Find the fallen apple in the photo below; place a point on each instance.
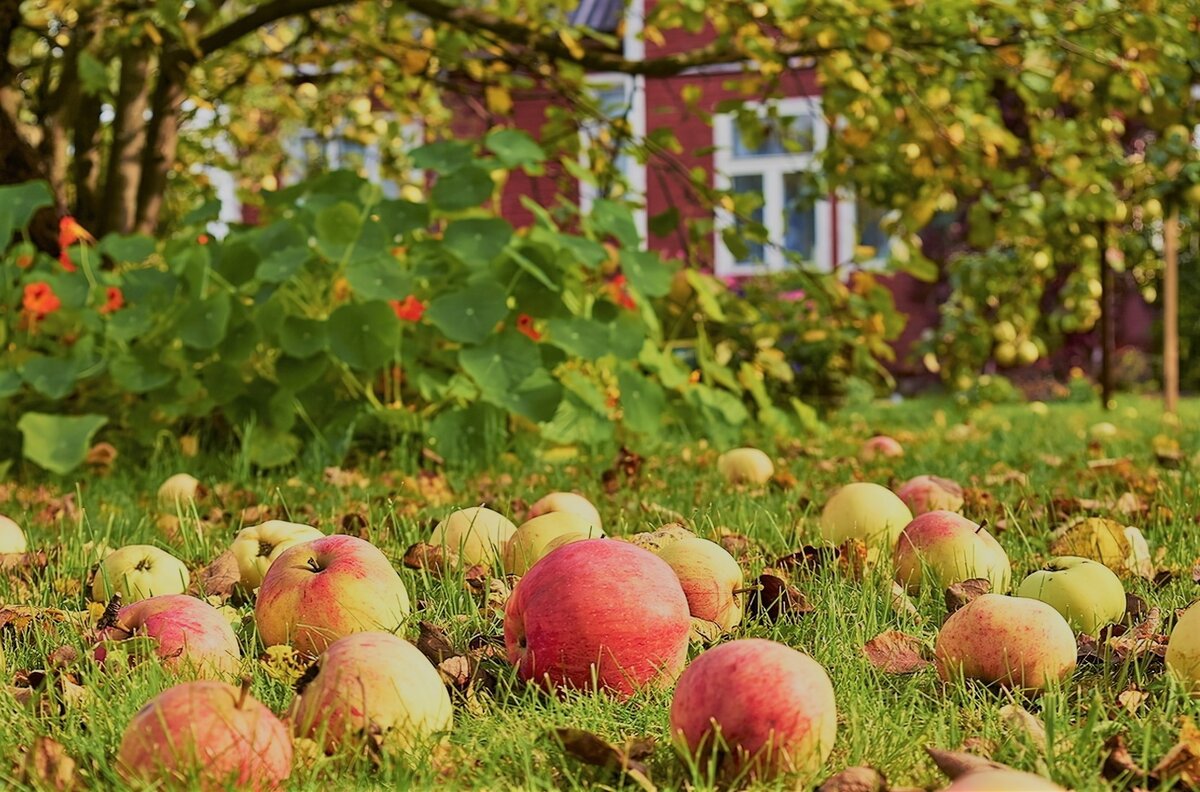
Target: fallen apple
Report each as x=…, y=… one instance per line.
x=864, y=511
x=206, y=735
x=570, y=502
x=745, y=466
x=881, y=446
x=760, y=707
x=257, y=546
x=179, y=490
x=537, y=537
x=657, y=540
x=478, y=535
x=1088, y=594
x=12, y=538
x=138, y=572
x=949, y=548
x=930, y=493
x=1013, y=642
x=1183, y=650
x=598, y=614
x=373, y=685
x=190, y=635
x=1001, y=780
x=710, y=577
x=327, y=588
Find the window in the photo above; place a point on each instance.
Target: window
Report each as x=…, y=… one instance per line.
x=615, y=96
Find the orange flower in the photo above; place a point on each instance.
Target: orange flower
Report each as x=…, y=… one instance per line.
x=525, y=326
x=409, y=310
x=620, y=295
x=114, y=300
x=202, y=239
x=69, y=233
x=40, y=300
x=24, y=261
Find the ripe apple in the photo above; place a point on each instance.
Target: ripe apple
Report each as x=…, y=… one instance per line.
x=770, y=707
x=709, y=576
x=1010, y=641
x=598, y=614
x=865, y=511
x=179, y=490
x=208, y=736
x=951, y=549
x=1183, y=650
x=1088, y=594
x=566, y=502
x=12, y=538
x=373, y=683
x=321, y=590
x=1001, y=780
x=257, y=546
x=658, y=540
x=745, y=466
x=881, y=446
x=537, y=537
x=479, y=535
x=138, y=572
x=930, y=493
x=190, y=634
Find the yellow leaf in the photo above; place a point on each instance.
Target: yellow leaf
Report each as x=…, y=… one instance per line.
x=571, y=43
x=499, y=101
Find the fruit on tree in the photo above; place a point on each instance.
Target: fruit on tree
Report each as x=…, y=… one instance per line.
x=570, y=502
x=478, y=535
x=257, y=546
x=598, y=614
x=930, y=493
x=537, y=537
x=138, y=572
x=864, y=511
x=189, y=634
x=949, y=548
x=1088, y=594
x=710, y=577
x=745, y=466
x=1183, y=650
x=765, y=707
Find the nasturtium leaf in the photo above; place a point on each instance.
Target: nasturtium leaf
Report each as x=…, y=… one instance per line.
x=203, y=323
x=401, y=217
x=301, y=338
x=468, y=435
x=58, y=443
x=10, y=383
x=611, y=218
x=477, y=240
x=378, y=278
x=575, y=422
x=647, y=272
x=589, y=253
x=363, y=335
x=442, y=156
x=464, y=188
x=501, y=362
x=298, y=373
x=93, y=75
x=337, y=228
x=514, y=148
x=536, y=398
x=643, y=403
x=138, y=373
x=579, y=336
x=469, y=315
x=268, y=447
x=51, y=376
x=284, y=264
x=126, y=248
x=18, y=202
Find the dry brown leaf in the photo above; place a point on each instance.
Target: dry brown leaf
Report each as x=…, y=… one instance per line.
x=218, y=579
x=593, y=750
x=23, y=562
x=1118, y=762
x=345, y=479
x=47, y=766
x=101, y=457
x=960, y=594
x=784, y=480
x=855, y=779
x=704, y=632
x=1132, y=699
x=435, y=558
x=1022, y=721
x=773, y=598
x=455, y=671
x=434, y=643
x=21, y=617
x=902, y=604
x=284, y=664
x=737, y=545
x=1182, y=762
x=894, y=652
x=1196, y=571
x=809, y=558
x=852, y=558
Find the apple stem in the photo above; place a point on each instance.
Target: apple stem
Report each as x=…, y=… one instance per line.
x=982, y=525
x=245, y=692
x=746, y=590
x=313, y=565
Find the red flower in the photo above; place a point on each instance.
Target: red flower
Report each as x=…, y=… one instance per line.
x=24, y=261
x=202, y=239
x=409, y=310
x=40, y=300
x=525, y=326
x=114, y=300
x=620, y=295
x=69, y=233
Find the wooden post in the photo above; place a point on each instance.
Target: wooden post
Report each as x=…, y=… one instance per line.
x=1107, y=321
x=1171, y=313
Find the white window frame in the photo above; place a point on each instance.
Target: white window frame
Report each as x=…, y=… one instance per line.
x=772, y=169
x=847, y=231
x=634, y=89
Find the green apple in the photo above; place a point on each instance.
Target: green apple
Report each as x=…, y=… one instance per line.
x=864, y=511
x=566, y=502
x=745, y=466
x=179, y=490
x=710, y=577
x=1088, y=594
x=479, y=535
x=1183, y=650
x=138, y=572
x=537, y=537
x=949, y=548
x=12, y=538
x=257, y=546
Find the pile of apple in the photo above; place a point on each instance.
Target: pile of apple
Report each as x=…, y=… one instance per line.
x=587, y=613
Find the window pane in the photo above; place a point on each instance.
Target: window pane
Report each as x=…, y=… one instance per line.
x=752, y=185
x=799, y=215
x=773, y=136
x=867, y=224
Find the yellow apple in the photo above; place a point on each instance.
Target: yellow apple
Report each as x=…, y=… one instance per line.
x=1001, y=780
x=12, y=538
x=1027, y=353
x=864, y=511
x=1004, y=332
x=138, y=572
x=478, y=534
x=949, y=548
x=657, y=540
x=256, y=546
x=1088, y=594
x=709, y=576
x=566, y=502
x=536, y=538
x=1183, y=650
x=745, y=466
x=179, y=490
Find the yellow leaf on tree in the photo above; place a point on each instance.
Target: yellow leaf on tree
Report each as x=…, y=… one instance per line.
x=499, y=100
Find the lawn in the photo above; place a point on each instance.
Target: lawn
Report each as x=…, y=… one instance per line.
x=1025, y=473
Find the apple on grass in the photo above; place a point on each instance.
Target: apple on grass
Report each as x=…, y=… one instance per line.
x=864, y=511
x=598, y=614
x=137, y=572
x=930, y=493
x=179, y=490
x=208, y=736
x=1001, y=780
x=745, y=466
x=1088, y=594
x=756, y=708
x=478, y=535
x=368, y=684
x=190, y=635
x=257, y=546
x=881, y=446
x=659, y=539
x=1013, y=642
x=566, y=502
x=12, y=538
x=537, y=537
x=327, y=588
x=1183, y=650
x=949, y=548
x=710, y=577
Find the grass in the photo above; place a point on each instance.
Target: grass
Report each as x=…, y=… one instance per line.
x=501, y=741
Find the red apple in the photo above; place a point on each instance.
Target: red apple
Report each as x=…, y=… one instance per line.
x=770, y=708
x=206, y=735
x=930, y=493
x=598, y=614
x=190, y=634
x=319, y=591
x=881, y=446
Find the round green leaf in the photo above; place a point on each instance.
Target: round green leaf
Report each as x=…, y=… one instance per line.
x=303, y=338
x=378, y=278
x=58, y=443
x=469, y=315
x=203, y=323
x=464, y=188
x=477, y=240
x=363, y=335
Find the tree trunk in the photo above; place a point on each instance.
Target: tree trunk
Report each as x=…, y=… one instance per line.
x=162, y=141
x=128, y=142
x=86, y=163
x=1107, y=321
x=1171, y=313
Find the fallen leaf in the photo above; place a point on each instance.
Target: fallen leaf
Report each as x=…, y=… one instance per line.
x=809, y=558
x=966, y=591
x=704, y=632
x=852, y=558
x=455, y=671
x=434, y=643
x=737, y=545
x=1196, y=571
x=23, y=562
x=1132, y=699
x=773, y=598
x=47, y=766
x=902, y=604
x=218, y=579
x=784, y=480
x=435, y=558
x=1182, y=762
x=1022, y=721
x=101, y=456
x=345, y=479
x=284, y=664
x=1118, y=762
x=591, y=749
x=894, y=652
x=855, y=779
